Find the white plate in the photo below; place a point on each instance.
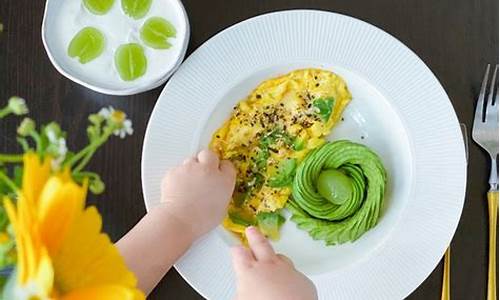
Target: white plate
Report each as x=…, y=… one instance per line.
x=398, y=107
x=63, y=19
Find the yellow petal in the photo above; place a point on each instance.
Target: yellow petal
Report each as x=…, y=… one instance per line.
x=35, y=175
x=60, y=201
x=105, y=292
x=88, y=258
x=33, y=262
x=45, y=273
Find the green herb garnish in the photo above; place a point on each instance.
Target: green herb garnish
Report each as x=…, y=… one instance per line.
x=298, y=144
x=324, y=107
x=285, y=173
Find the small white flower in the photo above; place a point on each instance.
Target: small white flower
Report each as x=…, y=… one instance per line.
x=125, y=130
x=57, y=148
x=106, y=112
x=18, y=106
x=62, y=149
x=52, y=136
x=119, y=118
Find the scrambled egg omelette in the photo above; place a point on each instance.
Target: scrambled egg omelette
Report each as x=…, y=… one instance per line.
x=268, y=134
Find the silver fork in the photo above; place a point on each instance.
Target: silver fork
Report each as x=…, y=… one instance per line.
x=485, y=134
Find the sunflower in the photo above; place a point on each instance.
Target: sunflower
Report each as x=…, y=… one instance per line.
x=61, y=251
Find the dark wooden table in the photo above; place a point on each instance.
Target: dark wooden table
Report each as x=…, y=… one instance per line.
x=455, y=38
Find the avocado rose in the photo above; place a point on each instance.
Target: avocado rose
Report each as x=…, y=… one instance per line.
x=338, y=191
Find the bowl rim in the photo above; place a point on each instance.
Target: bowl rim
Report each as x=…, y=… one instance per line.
x=128, y=90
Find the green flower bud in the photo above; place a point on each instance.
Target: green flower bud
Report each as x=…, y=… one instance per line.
x=26, y=127
x=52, y=131
x=18, y=106
x=96, y=186
x=96, y=119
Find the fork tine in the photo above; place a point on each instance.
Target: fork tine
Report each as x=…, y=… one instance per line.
x=495, y=109
x=478, y=117
x=492, y=110
x=496, y=99
x=492, y=87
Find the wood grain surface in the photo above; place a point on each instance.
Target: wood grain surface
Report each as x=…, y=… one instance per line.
x=455, y=38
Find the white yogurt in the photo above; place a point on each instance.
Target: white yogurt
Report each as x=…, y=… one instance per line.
x=64, y=18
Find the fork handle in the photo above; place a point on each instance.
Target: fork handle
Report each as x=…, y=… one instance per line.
x=492, y=262
x=445, y=289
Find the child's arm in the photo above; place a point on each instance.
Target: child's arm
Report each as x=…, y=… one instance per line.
x=195, y=196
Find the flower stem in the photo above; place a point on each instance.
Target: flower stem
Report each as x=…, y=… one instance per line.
x=81, y=175
x=38, y=141
x=11, y=158
x=86, y=153
x=4, y=112
x=8, y=182
x=85, y=160
x=24, y=144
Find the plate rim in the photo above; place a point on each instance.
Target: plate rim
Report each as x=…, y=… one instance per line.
x=457, y=151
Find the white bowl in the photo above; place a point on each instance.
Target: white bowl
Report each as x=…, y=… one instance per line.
x=58, y=31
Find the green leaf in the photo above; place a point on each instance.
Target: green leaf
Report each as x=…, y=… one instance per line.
x=269, y=224
x=285, y=173
x=324, y=107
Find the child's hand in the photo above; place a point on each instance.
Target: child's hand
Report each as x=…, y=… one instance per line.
x=198, y=192
x=262, y=274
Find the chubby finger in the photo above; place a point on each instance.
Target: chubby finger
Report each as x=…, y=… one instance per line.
x=285, y=259
x=242, y=258
x=208, y=158
x=228, y=168
x=261, y=248
x=190, y=160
